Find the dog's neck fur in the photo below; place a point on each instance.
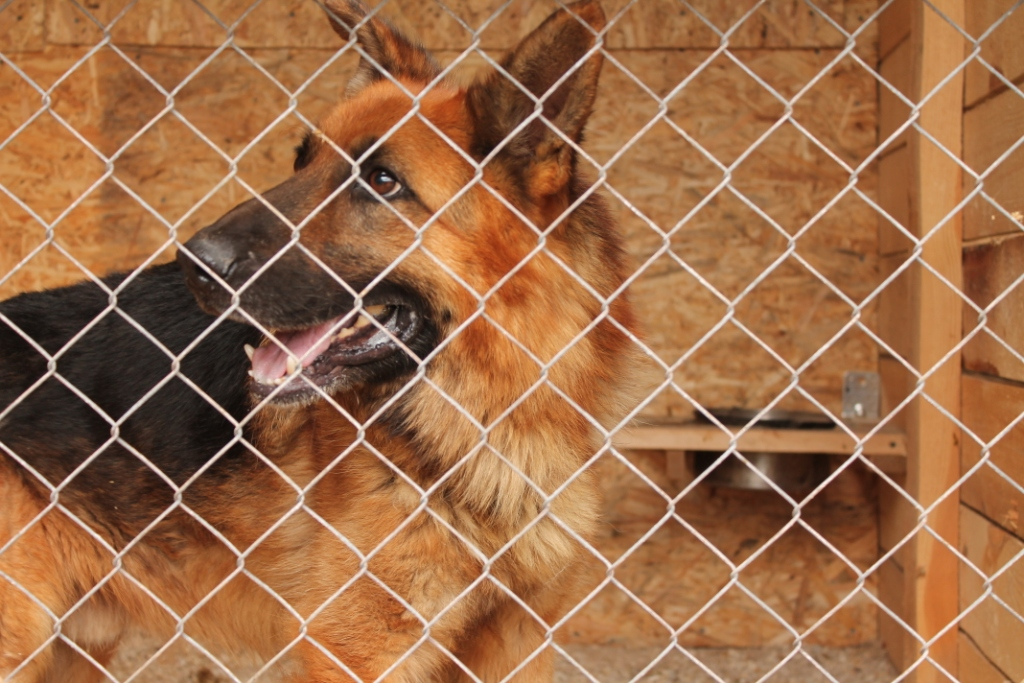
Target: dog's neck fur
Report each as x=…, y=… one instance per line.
x=515, y=446
x=511, y=444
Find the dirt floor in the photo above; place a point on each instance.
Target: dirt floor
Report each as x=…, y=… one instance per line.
x=604, y=664
x=863, y=664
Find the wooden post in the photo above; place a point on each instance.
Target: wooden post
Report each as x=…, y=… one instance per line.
x=933, y=451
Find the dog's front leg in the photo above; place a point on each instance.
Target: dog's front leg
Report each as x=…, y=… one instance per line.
x=423, y=664
x=509, y=637
x=365, y=636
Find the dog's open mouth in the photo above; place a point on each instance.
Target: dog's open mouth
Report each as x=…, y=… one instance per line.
x=326, y=354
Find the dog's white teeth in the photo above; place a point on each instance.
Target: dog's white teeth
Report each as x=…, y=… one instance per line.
x=269, y=382
x=291, y=365
x=362, y=320
x=249, y=350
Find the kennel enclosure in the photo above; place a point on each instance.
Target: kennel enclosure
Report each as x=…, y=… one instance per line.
x=807, y=189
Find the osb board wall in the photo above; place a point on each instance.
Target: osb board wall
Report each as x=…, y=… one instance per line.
x=724, y=109
x=223, y=102
x=674, y=578
x=169, y=166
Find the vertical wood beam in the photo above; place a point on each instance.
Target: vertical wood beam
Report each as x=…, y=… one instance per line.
x=931, y=571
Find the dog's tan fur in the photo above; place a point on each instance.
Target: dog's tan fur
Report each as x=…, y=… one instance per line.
x=367, y=560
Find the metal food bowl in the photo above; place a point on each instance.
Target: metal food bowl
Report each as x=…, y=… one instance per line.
x=791, y=472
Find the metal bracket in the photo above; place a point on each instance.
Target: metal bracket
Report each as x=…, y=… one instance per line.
x=861, y=396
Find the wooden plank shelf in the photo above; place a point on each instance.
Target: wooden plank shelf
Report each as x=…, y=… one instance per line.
x=887, y=449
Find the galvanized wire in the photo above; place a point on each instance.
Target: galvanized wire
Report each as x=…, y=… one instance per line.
x=974, y=189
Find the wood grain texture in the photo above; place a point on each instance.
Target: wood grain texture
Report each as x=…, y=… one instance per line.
x=675, y=573
x=897, y=518
x=894, y=197
x=1002, y=49
x=997, y=632
x=894, y=26
x=933, y=440
x=296, y=23
x=897, y=383
x=725, y=110
x=21, y=26
x=990, y=129
x=665, y=178
x=991, y=272
x=169, y=166
x=975, y=667
x=897, y=70
x=895, y=326
x=989, y=407
x=890, y=592
x=700, y=437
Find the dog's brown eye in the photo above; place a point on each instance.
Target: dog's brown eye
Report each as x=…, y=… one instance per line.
x=384, y=183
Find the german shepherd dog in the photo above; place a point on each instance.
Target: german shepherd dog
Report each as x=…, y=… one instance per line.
x=433, y=308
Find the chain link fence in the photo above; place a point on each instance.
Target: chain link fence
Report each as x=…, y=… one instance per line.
x=770, y=165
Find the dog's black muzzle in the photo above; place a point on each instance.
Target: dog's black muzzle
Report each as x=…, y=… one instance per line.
x=318, y=342
x=250, y=251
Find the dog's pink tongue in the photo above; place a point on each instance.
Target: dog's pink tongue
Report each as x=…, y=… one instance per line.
x=270, y=361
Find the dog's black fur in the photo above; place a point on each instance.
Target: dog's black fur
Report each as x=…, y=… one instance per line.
x=54, y=431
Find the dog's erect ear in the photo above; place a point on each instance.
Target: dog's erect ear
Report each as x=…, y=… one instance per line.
x=382, y=43
x=557, y=47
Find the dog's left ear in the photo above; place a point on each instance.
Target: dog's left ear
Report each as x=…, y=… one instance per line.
x=556, y=48
x=382, y=43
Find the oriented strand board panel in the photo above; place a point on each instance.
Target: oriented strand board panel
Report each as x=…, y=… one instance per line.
x=170, y=165
x=997, y=632
x=990, y=129
x=776, y=24
x=991, y=274
x=676, y=575
x=166, y=174
x=990, y=407
x=276, y=23
x=688, y=233
x=21, y=26
x=727, y=240
x=299, y=23
x=1003, y=48
x=169, y=180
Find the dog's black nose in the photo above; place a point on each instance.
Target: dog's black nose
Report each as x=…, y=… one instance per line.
x=212, y=257
x=206, y=263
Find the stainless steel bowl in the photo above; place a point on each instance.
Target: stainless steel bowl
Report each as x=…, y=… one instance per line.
x=791, y=472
